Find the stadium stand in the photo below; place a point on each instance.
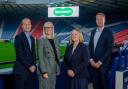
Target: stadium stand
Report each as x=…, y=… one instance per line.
x=120, y=30
x=1, y=28
x=119, y=27
x=37, y=31
x=19, y=29
x=10, y=27
x=59, y=26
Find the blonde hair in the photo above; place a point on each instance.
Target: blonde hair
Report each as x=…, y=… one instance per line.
x=48, y=24
x=81, y=38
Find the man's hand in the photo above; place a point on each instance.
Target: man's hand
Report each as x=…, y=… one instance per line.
x=32, y=68
x=93, y=64
x=71, y=73
x=45, y=76
x=98, y=64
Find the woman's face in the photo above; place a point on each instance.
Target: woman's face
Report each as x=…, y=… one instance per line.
x=75, y=37
x=48, y=30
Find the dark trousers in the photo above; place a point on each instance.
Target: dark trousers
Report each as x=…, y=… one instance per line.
x=99, y=78
x=76, y=83
x=24, y=81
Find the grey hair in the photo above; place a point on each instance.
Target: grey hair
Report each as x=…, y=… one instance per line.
x=25, y=19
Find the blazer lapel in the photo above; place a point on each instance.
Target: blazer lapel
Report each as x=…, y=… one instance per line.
x=49, y=45
x=32, y=43
x=77, y=48
x=70, y=51
x=93, y=33
x=26, y=41
x=57, y=48
x=101, y=37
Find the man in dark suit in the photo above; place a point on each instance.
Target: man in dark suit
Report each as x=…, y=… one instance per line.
x=25, y=65
x=101, y=43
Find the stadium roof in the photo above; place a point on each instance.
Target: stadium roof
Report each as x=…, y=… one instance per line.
x=40, y=10
x=22, y=10
x=31, y=1
x=119, y=6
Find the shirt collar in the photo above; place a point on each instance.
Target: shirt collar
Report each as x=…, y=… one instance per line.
x=27, y=33
x=101, y=29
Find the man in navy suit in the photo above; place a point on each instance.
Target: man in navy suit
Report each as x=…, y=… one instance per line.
x=25, y=65
x=101, y=43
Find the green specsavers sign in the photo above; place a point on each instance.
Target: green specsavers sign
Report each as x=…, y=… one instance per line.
x=72, y=11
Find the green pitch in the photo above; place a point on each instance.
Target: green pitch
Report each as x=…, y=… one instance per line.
x=7, y=53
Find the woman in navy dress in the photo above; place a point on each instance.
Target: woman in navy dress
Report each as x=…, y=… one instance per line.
x=76, y=60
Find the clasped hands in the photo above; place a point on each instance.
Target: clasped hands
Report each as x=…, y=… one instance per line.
x=45, y=75
x=32, y=68
x=70, y=73
x=95, y=64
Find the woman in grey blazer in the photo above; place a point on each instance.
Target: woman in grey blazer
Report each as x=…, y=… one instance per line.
x=48, y=49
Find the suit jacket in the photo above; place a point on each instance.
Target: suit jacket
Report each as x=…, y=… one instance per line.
x=25, y=57
x=78, y=61
x=103, y=48
x=47, y=61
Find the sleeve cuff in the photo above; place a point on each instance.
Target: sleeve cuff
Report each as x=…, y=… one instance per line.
x=100, y=62
x=44, y=72
x=91, y=60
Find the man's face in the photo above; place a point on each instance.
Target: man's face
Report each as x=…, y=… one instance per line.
x=100, y=20
x=26, y=25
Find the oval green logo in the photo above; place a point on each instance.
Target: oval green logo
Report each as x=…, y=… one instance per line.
x=63, y=12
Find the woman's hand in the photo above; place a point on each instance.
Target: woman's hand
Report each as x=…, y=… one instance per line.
x=71, y=73
x=45, y=76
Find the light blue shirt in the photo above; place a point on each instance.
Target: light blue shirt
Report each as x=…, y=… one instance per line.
x=28, y=37
x=96, y=37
